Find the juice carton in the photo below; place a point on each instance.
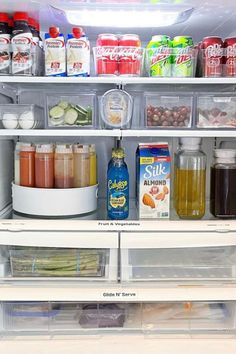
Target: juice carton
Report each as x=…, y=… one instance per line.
x=55, y=53
x=153, y=180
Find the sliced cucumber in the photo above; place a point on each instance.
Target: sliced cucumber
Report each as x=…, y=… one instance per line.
x=71, y=116
x=56, y=112
x=57, y=121
x=81, y=109
x=63, y=104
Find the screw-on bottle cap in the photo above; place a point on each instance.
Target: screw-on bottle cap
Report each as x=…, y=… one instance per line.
x=27, y=147
x=32, y=22
x=64, y=149
x=81, y=149
x=77, y=32
x=54, y=31
x=191, y=143
x=4, y=17
x=92, y=148
x=118, y=153
x=225, y=155
x=21, y=16
x=44, y=148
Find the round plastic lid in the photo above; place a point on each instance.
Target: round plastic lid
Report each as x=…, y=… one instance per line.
x=81, y=149
x=64, y=149
x=77, y=32
x=191, y=143
x=27, y=147
x=4, y=17
x=54, y=31
x=44, y=148
x=116, y=108
x=225, y=153
x=21, y=16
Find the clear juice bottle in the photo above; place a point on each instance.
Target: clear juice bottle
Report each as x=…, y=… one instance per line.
x=190, y=179
x=64, y=166
x=117, y=186
x=81, y=166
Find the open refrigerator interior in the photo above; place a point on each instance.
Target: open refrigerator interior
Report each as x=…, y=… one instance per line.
x=71, y=265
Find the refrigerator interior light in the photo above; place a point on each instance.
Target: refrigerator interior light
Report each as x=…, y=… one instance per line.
x=127, y=17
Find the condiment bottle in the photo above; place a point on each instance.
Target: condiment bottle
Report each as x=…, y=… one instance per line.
x=93, y=165
x=17, y=161
x=81, y=166
x=27, y=165
x=223, y=184
x=190, y=179
x=44, y=166
x=64, y=166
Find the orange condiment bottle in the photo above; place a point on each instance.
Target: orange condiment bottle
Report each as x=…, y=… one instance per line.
x=44, y=166
x=27, y=165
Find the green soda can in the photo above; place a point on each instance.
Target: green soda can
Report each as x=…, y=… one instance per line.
x=158, y=56
x=183, y=56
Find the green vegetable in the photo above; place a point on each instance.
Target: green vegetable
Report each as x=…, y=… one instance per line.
x=56, y=112
x=71, y=116
x=57, y=121
x=63, y=104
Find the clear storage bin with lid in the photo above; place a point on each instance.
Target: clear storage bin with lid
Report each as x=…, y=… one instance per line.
x=44, y=166
x=190, y=179
x=223, y=184
x=64, y=166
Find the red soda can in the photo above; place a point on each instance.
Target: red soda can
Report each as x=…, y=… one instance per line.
x=230, y=57
x=212, y=48
x=130, y=55
x=106, y=54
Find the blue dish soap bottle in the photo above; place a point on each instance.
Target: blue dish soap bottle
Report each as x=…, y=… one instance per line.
x=117, y=186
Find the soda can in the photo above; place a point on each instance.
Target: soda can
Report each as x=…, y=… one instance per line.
x=230, y=57
x=130, y=55
x=212, y=56
x=158, y=56
x=106, y=55
x=183, y=56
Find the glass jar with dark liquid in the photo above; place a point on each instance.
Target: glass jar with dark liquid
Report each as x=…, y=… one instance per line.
x=223, y=184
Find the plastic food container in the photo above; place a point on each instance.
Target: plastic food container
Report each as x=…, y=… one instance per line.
x=168, y=111
x=116, y=107
x=46, y=262
x=21, y=116
x=216, y=111
x=71, y=111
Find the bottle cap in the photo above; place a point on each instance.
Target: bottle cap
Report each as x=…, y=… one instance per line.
x=4, y=17
x=225, y=153
x=21, y=16
x=10, y=22
x=118, y=153
x=44, y=148
x=81, y=149
x=27, y=147
x=64, y=149
x=191, y=143
x=54, y=31
x=77, y=32
x=92, y=148
x=32, y=22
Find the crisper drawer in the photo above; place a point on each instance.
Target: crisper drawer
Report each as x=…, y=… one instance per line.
x=58, y=255
x=148, y=318
x=176, y=256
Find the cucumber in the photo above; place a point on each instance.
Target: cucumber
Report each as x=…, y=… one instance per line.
x=81, y=109
x=71, y=116
x=63, y=104
x=56, y=112
x=57, y=121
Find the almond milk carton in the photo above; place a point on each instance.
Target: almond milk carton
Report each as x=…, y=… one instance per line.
x=153, y=180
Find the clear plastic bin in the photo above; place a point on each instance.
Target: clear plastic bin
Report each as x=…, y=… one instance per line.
x=169, y=62
x=21, y=116
x=168, y=111
x=71, y=111
x=48, y=262
x=216, y=111
x=118, y=61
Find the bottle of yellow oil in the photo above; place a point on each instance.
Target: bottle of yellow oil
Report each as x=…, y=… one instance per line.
x=190, y=179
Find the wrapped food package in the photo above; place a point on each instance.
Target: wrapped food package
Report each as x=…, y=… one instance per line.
x=102, y=316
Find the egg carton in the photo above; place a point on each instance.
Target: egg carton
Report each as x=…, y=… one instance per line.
x=21, y=116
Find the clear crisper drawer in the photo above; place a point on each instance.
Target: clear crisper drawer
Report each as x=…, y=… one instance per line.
x=78, y=256
x=191, y=260
x=147, y=318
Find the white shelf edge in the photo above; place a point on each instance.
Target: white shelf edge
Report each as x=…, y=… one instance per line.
x=178, y=133
x=61, y=132
x=117, y=343
x=108, y=292
x=116, y=80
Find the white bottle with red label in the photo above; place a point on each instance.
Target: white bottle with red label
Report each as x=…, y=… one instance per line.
x=21, y=45
x=5, y=41
x=78, y=53
x=55, y=53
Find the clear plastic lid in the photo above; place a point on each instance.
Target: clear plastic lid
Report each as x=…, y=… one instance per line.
x=116, y=108
x=190, y=143
x=27, y=147
x=225, y=155
x=64, y=149
x=81, y=149
x=44, y=148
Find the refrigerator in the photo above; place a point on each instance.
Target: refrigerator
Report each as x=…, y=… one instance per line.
x=71, y=279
